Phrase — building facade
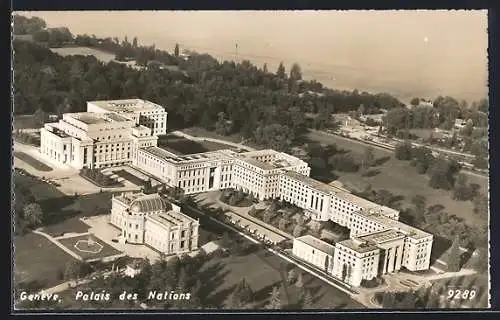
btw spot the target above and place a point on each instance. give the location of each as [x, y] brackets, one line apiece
[125, 132]
[109, 134]
[151, 220]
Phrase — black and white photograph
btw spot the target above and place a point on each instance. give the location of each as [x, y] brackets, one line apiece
[250, 160]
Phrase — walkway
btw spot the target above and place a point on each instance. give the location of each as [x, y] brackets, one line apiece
[229, 143]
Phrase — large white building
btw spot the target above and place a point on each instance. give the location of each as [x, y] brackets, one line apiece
[125, 132]
[143, 112]
[153, 221]
[108, 134]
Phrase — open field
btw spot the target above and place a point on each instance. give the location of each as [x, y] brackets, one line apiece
[85, 51]
[96, 250]
[401, 179]
[181, 145]
[26, 122]
[38, 261]
[38, 165]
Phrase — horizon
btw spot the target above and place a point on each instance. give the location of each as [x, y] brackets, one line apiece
[427, 44]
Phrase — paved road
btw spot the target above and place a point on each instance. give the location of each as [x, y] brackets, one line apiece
[229, 143]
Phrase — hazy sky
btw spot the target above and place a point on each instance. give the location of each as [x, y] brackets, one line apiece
[407, 53]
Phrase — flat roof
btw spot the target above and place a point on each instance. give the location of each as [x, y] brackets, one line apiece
[188, 158]
[382, 236]
[257, 163]
[96, 118]
[317, 244]
[171, 218]
[128, 105]
[358, 246]
[400, 226]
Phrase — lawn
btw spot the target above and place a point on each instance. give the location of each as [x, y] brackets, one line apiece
[262, 272]
[179, 145]
[26, 122]
[129, 177]
[38, 262]
[41, 190]
[81, 247]
[64, 213]
[401, 179]
[38, 165]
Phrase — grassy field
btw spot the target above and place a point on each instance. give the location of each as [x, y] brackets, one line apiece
[38, 165]
[179, 145]
[80, 246]
[26, 122]
[262, 272]
[401, 179]
[85, 51]
[38, 262]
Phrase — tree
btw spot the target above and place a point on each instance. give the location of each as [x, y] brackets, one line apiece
[307, 299]
[33, 214]
[388, 300]
[274, 299]
[176, 50]
[281, 71]
[295, 72]
[292, 275]
[344, 272]
[300, 281]
[297, 231]
[462, 191]
[72, 270]
[182, 282]
[415, 102]
[481, 206]
[282, 224]
[368, 158]
[253, 211]
[454, 258]
[241, 295]
[403, 151]
[264, 68]
[420, 204]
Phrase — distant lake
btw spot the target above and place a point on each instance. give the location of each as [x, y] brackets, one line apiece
[406, 53]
